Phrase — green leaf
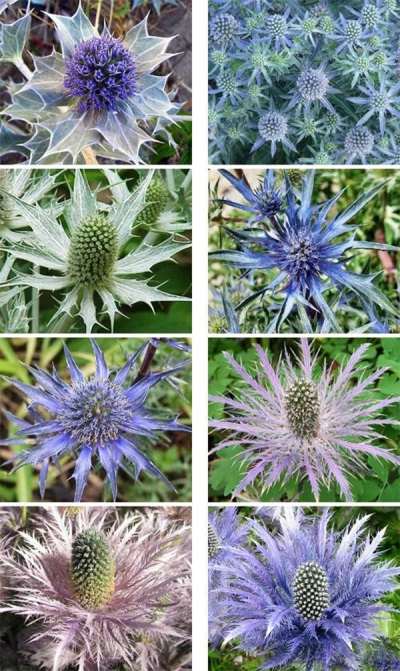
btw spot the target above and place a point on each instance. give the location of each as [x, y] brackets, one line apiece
[227, 471]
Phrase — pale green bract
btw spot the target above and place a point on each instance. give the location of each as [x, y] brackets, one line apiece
[50, 244]
[60, 133]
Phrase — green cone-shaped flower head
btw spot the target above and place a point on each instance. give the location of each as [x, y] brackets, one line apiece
[156, 197]
[92, 569]
[93, 252]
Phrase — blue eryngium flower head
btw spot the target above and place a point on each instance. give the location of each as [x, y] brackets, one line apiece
[264, 202]
[99, 417]
[307, 594]
[100, 72]
[310, 253]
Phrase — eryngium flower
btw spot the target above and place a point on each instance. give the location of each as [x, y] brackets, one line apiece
[89, 257]
[308, 594]
[149, 608]
[291, 422]
[100, 93]
[95, 417]
[310, 253]
[264, 202]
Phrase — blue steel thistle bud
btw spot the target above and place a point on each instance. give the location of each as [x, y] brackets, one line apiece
[223, 29]
[302, 408]
[310, 591]
[359, 141]
[214, 544]
[313, 84]
[272, 126]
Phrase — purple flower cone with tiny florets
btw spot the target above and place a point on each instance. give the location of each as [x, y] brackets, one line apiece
[291, 424]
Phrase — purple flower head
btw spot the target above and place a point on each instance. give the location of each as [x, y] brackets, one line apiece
[307, 595]
[96, 417]
[99, 589]
[292, 423]
[263, 203]
[273, 127]
[100, 73]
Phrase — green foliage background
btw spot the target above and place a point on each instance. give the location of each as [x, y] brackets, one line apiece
[172, 458]
[381, 485]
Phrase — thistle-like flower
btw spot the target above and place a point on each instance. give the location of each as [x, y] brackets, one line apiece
[313, 84]
[273, 127]
[264, 202]
[99, 94]
[91, 256]
[292, 423]
[95, 594]
[307, 594]
[309, 253]
[358, 144]
[95, 418]
[382, 102]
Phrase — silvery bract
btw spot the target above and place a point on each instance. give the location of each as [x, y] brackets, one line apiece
[87, 256]
[98, 95]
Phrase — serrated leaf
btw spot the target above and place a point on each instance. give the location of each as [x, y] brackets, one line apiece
[146, 256]
[73, 29]
[11, 139]
[226, 471]
[13, 39]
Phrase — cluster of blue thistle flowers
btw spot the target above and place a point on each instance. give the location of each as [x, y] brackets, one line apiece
[303, 82]
[295, 591]
[296, 263]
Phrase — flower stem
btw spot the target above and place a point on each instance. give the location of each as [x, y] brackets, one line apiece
[19, 63]
[35, 306]
[97, 21]
[89, 156]
[147, 361]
